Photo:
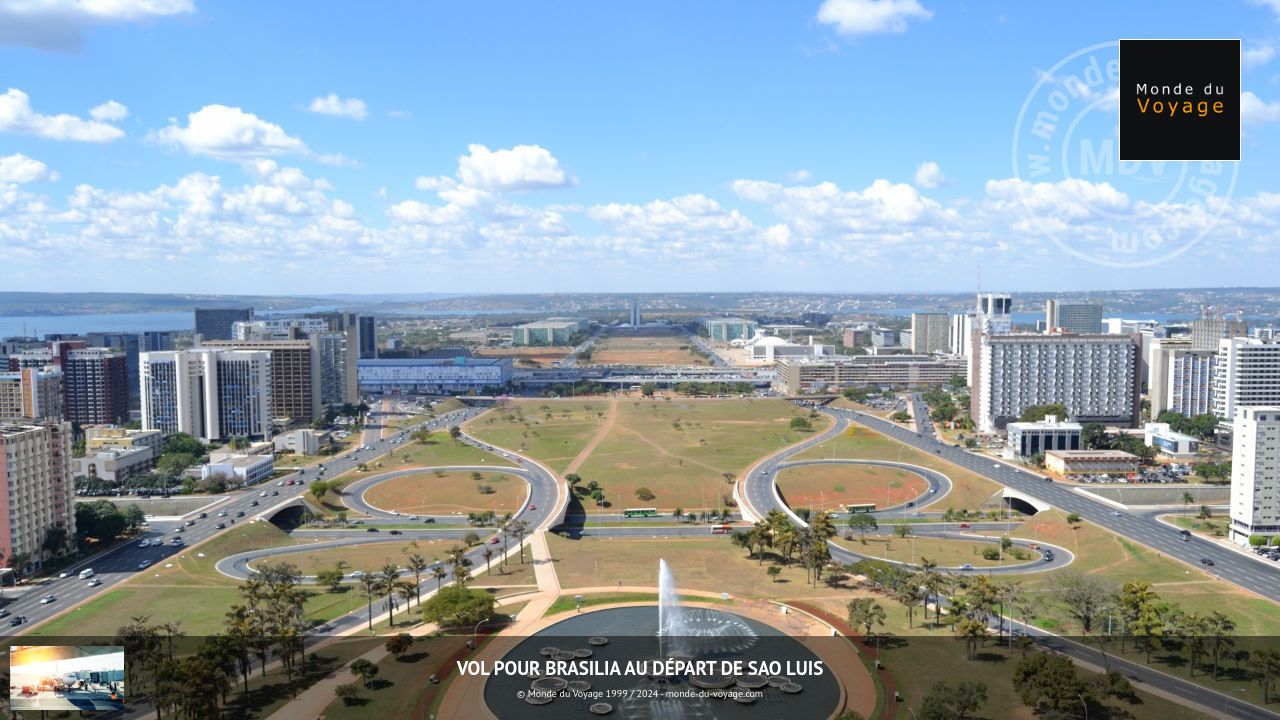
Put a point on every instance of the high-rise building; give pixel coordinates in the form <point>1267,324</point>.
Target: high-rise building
<point>37,495</point>
<point>884,337</point>
<point>31,394</point>
<point>1247,375</point>
<point>280,328</point>
<point>128,343</point>
<point>635,312</point>
<point>157,341</point>
<point>960,334</point>
<point>330,351</point>
<point>992,315</point>
<point>1206,332</point>
<point>1180,379</point>
<point>348,324</point>
<point>213,394</point>
<point>930,333</point>
<point>215,323</point>
<point>368,337</point>
<point>1094,376</point>
<point>95,385</point>
<point>1255,473</point>
<point>1083,318</point>
<point>558,331</point>
<point>295,377</point>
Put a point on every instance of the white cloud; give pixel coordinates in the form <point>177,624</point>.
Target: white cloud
<point>1066,201</point>
<point>333,105</point>
<point>230,133</point>
<point>109,111</point>
<point>523,167</point>
<point>1256,56</point>
<point>1256,111</point>
<point>1274,5</point>
<point>60,24</point>
<point>17,116</point>
<point>420,213</point>
<point>798,176</point>
<point>929,175</point>
<point>868,17</point>
<point>20,169</point>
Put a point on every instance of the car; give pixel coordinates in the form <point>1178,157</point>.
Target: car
<point>144,564</point>
<point>220,526</point>
<point>280,483</point>
<point>64,574</point>
<point>16,620</point>
<point>302,471</point>
<point>396,532</point>
<point>964,526</point>
<point>253,503</point>
<point>95,582</point>
<point>911,503</point>
<point>179,529</point>
<point>1116,513</point>
<point>966,566</point>
<point>239,513</point>
<point>48,599</point>
<point>144,543</point>
<point>176,542</point>
<point>275,493</point>
<point>995,465</point>
<point>262,494</point>
<point>189,523</point>
<point>495,540</point>
<point>428,520</point>
<point>1048,557</point>
<point>372,529</point>
<point>4,613</point>
<point>1185,538</point>
<point>357,574</point>
<point>532,506</point>
<point>203,515</point>
<point>1206,562</point>
<point>222,513</point>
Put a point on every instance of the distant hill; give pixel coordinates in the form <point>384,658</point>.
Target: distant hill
<point>24,304</point>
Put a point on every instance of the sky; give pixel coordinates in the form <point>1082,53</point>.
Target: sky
<point>811,145</point>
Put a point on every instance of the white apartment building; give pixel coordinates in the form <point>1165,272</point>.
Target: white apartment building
<point>1094,376</point>
<point>960,334</point>
<point>1180,379</point>
<point>930,333</point>
<point>1247,375</point>
<point>212,394</point>
<point>1255,473</point>
<point>37,497</point>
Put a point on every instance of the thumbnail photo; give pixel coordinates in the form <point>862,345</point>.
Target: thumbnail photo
<point>66,677</point>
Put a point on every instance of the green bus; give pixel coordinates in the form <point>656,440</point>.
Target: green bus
<point>861,508</point>
<point>640,512</point>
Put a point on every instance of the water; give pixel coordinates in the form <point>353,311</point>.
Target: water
<point>673,626</point>
<point>38,326</point>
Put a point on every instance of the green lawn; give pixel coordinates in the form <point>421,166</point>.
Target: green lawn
<point>567,603</point>
<point>970,489</point>
<point>551,431</point>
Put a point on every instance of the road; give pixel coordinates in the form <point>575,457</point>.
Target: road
<point>702,345</point>
<point>121,563</point>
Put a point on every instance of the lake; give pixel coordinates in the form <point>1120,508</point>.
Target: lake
<point>39,326</point>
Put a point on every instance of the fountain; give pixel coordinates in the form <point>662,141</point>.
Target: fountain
<point>673,625</point>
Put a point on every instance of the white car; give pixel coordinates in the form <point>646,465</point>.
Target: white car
<point>144,543</point>
<point>47,599</point>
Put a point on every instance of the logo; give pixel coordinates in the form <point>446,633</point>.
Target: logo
<point>1078,193</point>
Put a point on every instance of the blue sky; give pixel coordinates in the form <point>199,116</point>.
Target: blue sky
<point>853,145</point>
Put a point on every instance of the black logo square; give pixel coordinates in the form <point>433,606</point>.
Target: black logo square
<point>1179,100</point>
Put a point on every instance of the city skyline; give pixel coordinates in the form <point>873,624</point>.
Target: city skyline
<point>734,147</point>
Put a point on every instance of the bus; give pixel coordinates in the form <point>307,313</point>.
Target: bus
<point>721,529</point>
<point>861,508</point>
<point>640,512</point>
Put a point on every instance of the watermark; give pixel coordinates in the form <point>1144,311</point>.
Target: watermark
<point>1076,191</point>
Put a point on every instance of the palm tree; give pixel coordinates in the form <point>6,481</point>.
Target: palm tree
<point>823,523</point>
<point>972,631</point>
<point>387,578</point>
<point>407,592</point>
<point>417,564</point>
<point>439,573</point>
<point>370,583</point>
<point>488,555</point>
<point>909,594</point>
<point>519,528</point>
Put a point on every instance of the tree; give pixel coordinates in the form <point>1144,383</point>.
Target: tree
<point>370,583</point>
<point>1266,663</point>
<point>1073,518</point>
<point>347,693</point>
<point>862,523</point>
<point>645,494</point>
<point>1082,597</point>
<point>364,670</point>
<point>455,433</point>
<point>823,524</point>
<point>1036,413</point>
<point>182,443</point>
<point>1093,435</point>
<point>946,701</point>
<point>1220,637</point>
<point>331,579</point>
<point>773,571</point>
<point>518,529</point>
<point>417,564</point>
<point>1051,686</point>
<point>901,416</point>
<point>387,578</point>
<point>458,607</point>
<point>573,479</point>
<point>865,612</point>
<point>320,488</point>
<point>1139,607</point>
<point>399,644</point>
<point>439,573</point>
<point>801,424</point>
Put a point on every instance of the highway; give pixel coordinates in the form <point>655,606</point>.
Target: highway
<point>121,563</point>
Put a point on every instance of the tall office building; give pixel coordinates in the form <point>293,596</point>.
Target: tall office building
<point>930,333</point>
<point>992,315</point>
<point>128,343</point>
<point>1180,379</point>
<point>635,312</point>
<point>1255,473</point>
<point>1083,318</point>
<point>31,394</point>
<point>1247,375</point>
<point>960,334</point>
<point>215,323</point>
<point>348,324</point>
<point>330,351</point>
<point>156,341</point>
<point>277,328</point>
<point>37,495</point>
<point>96,386</point>
<point>1207,332</point>
<point>1094,376</point>
<point>295,377</point>
<point>213,394</point>
<point>368,337</point>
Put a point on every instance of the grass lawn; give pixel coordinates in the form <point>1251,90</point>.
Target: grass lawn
<point>272,692</point>
<point>969,490</point>
<point>167,507</point>
<point>709,563</point>
<point>400,682</point>
<point>681,450</point>
<point>567,603</point>
<point>947,553</point>
<point>552,431</point>
<point>448,492</point>
<point>645,350</point>
<point>833,486</point>
<point>1213,527</point>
